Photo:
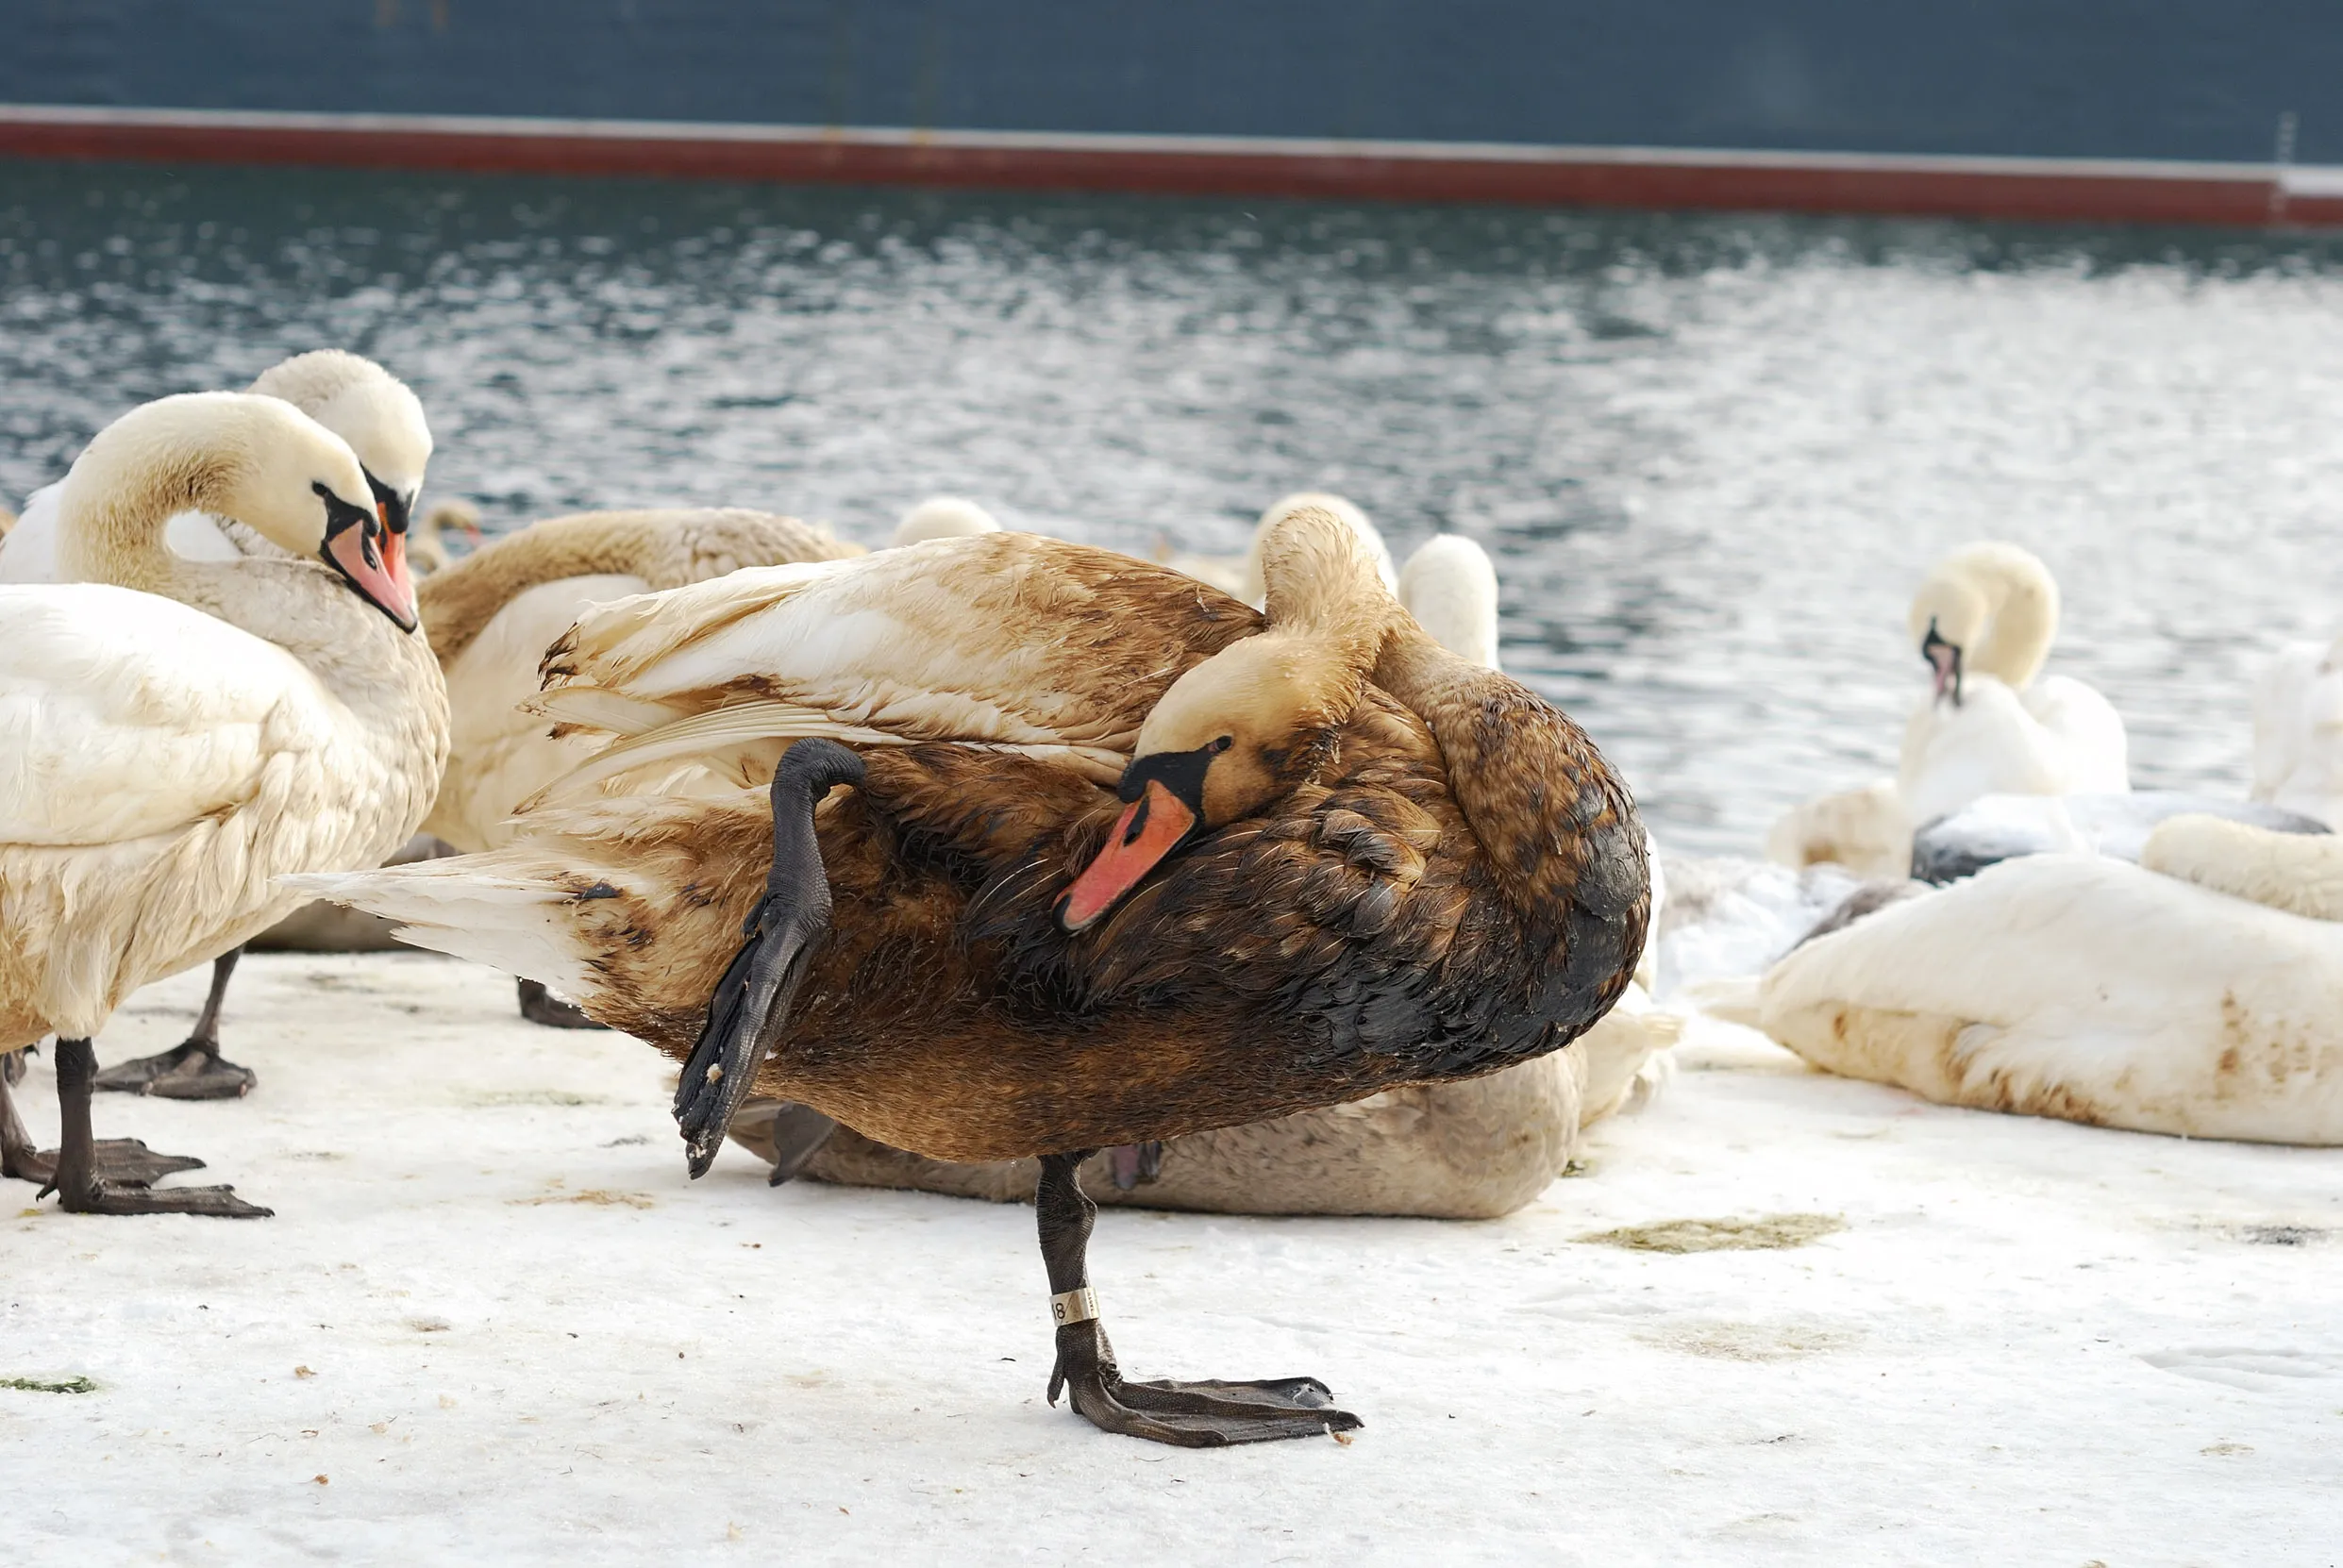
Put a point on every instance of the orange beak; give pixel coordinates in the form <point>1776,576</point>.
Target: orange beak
<point>1149,829</point>
<point>374,560</point>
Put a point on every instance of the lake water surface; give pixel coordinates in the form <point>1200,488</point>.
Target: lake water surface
<point>1711,454</point>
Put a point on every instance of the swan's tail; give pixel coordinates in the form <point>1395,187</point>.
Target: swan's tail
<point>508,908</point>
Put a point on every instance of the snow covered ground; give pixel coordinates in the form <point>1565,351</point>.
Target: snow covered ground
<point>493,1321</point>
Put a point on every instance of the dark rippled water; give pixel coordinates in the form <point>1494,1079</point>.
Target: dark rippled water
<point>1711,454</point>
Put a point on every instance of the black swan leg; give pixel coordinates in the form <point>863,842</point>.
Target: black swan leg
<point>194,1069</point>
<point>1205,1414</point>
<point>118,1160</point>
<point>82,1188</point>
<point>541,1005</point>
<point>751,1004</point>
<point>19,1159</point>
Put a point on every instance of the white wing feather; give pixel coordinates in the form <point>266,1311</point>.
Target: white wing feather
<point>124,714</point>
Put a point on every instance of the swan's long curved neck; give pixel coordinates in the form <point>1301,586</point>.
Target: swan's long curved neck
<point>114,534</point>
<point>118,537</point>
<point>2025,621</point>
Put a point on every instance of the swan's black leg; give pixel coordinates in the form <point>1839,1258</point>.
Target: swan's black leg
<point>194,1069</point>
<point>19,1159</point>
<point>751,1004</point>
<point>1206,1414</point>
<point>541,1005</point>
<point>83,1188</point>
<point>118,1160</point>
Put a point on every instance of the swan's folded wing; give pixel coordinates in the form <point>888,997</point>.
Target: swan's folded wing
<point>1009,639</point>
<point>124,714</point>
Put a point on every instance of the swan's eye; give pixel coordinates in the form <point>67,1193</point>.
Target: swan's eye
<point>1224,743</point>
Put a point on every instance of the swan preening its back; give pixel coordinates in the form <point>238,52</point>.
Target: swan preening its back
<point>1118,861</point>
<point>175,734</point>
<point>1983,620</point>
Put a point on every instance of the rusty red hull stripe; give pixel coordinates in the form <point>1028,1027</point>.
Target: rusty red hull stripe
<point>2055,189</point>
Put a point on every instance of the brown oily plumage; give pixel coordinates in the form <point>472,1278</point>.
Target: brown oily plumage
<point>1446,886</point>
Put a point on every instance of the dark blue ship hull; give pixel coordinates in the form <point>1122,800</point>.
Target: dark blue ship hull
<point>2220,107</point>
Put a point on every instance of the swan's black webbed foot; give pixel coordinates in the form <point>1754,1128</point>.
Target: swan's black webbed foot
<point>194,1069</point>
<point>123,1162</point>
<point>541,1005</point>
<point>86,1183</point>
<point>1206,1414</point>
<point>751,1003</point>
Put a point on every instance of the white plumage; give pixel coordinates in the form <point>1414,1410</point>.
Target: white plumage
<point>2098,991</point>
<point>173,738</point>
<point>356,399</point>
<point>2297,732</point>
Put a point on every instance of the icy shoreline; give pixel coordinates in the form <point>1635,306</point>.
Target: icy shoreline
<point>529,1339</point>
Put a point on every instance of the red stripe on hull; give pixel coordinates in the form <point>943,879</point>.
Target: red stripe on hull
<point>2056,192</point>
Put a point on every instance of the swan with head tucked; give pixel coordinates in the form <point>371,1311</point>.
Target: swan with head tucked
<point>175,734</point>
<point>2297,732</point>
<point>382,422</point>
<point>1118,859</point>
<point>492,616</point>
<point>1470,1150</point>
<point>2197,993</point>
<point>1241,575</point>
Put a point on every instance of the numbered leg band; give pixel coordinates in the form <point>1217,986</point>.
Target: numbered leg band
<point>1077,1306</point>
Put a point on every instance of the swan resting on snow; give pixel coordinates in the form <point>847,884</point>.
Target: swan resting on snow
<point>176,735</point>
<point>1470,1150</point>
<point>2199,993</point>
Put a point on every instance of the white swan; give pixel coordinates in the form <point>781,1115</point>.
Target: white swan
<point>944,517</point>
<point>492,616</point>
<point>1241,575</point>
<point>1985,620</point>
<point>2297,732</point>
<point>1449,585</point>
<point>2199,992</point>
<point>380,420</point>
<point>366,406</point>
<point>175,735</point>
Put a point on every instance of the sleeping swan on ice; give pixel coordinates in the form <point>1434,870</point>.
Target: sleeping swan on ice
<point>2199,993</point>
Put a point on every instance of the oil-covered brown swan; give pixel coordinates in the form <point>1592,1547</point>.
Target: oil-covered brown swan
<point>1120,860</point>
